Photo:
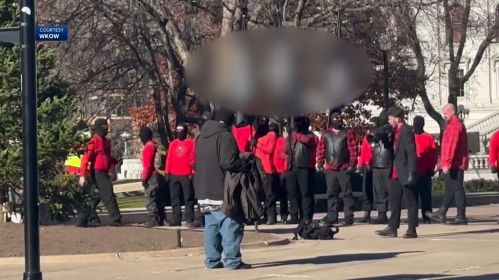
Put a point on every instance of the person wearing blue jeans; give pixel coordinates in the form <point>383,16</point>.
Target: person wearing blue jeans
<point>222,234</point>
<point>216,154</point>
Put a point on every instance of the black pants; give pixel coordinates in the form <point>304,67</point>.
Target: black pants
<point>154,203</point>
<point>281,194</point>
<point>424,191</point>
<point>101,182</point>
<point>454,190</point>
<point>410,194</point>
<point>381,179</point>
<point>270,196</point>
<point>300,193</point>
<point>367,190</point>
<point>339,181</point>
<point>182,185</point>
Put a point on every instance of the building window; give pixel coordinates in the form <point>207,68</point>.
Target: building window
<point>460,76</point>
<point>456,19</point>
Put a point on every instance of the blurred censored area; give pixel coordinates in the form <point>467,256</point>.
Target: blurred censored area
<point>279,71</point>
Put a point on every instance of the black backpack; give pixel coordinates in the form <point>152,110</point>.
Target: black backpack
<point>315,231</point>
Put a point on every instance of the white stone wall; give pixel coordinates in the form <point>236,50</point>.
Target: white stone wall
<point>131,169</point>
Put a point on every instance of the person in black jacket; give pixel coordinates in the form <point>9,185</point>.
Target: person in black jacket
<point>403,176</point>
<point>217,153</point>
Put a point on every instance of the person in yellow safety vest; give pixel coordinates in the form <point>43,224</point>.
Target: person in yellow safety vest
<point>73,161</point>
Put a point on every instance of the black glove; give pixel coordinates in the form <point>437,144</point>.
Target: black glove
<point>494,169</point>
<point>351,170</point>
<point>145,184</point>
<point>412,179</point>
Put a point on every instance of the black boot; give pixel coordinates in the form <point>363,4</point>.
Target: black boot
<point>387,232</point>
<point>176,220</point>
<point>366,219</point>
<point>439,216</point>
<point>284,218</point>
<point>271,220</point>
<point>153,222</point>
<point>382,219</point>
<point>411,233</point>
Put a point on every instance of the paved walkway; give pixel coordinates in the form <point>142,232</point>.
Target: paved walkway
<point>441,252</point>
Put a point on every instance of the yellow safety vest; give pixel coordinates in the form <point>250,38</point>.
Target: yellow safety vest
<point>73,160</point>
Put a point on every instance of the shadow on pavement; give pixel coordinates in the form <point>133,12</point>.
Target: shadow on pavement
<point>495,230</point>
<point>494,276</point>
<point>336,259</point>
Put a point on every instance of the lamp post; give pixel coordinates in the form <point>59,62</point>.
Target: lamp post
<point>125,135</point>
<point>385,45</point>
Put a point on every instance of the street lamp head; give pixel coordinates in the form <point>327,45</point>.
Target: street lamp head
<point>125,135</point>
<point>384,42</point>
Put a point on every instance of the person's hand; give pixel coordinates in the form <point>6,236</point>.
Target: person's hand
<point>320,168</point>
<point>167,177</point>
<point>494,169</point>
<point>82,181</point>
<point>253,142</point>
<point>368,167</point>
<point>145,184</point>
<point>113,177</point>
<point>351,170</point>
<point>445,170</point>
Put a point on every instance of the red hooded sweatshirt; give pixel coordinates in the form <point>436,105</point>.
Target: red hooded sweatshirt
<point>279,156</point>
<point>366,154</point>
<point>243,136</point>
<point>494,150</point>
<point>180,159</point>
<point>264,151</point>
<point>98,156</point>
<point>148,156</point>
<point>426,151</point>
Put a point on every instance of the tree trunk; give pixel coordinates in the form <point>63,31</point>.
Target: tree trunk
<point>454,87</point>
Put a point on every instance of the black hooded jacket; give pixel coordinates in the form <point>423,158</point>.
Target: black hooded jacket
<point>216,153</point>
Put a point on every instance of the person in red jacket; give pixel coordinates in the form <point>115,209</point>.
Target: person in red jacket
<point>427,158</point>
<point>494,153</point>
<point>179,170</point>
<point>364,166</point>
<point>337,155</point>
<point>96,166</point>
<point>150,180</point>
<point>453,163</point>
<point>279,159</point>
<point>243,133</point>
<point>265,146</point>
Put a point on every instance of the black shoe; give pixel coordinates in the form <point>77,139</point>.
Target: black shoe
<point>387,232</point>
<point>438,216</point>
<point>382,219</point>
<point>410,234</point>
<point>330,222</point>
<point>459,221</point>
<point>81,224</point>
<point>174,224</point>
<point>292,221</point>
<point>366,219</point>
<point>427,222</point>
<point>152,223</point>
<point>242,266</point>
<point>116,224</point>
<point>271,221</point>
<point>347,223</point>
<point>284,218</point>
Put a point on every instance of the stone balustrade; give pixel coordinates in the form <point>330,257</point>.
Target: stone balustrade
<point>479,162</point>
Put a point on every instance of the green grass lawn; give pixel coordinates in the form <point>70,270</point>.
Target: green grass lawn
<point>131,202</point>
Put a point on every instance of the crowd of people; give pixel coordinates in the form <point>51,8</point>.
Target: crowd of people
<point>397,162</point>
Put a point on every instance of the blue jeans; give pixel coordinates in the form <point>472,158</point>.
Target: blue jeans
<point>222,233</point>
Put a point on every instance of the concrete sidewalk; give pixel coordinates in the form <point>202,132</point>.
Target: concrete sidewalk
<point>441,252</point>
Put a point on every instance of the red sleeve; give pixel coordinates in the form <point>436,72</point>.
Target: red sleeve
<point>148,155</point>
<point>267,143</point>
<point>352,147</point>
<point>192,155</point>
<point>449,146</point>
<point>433,152</point>
<point>87,158</point>
<point>307,139</point>
<point>494,149</point>
<point>169,158</point>
<point>321,151</point>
